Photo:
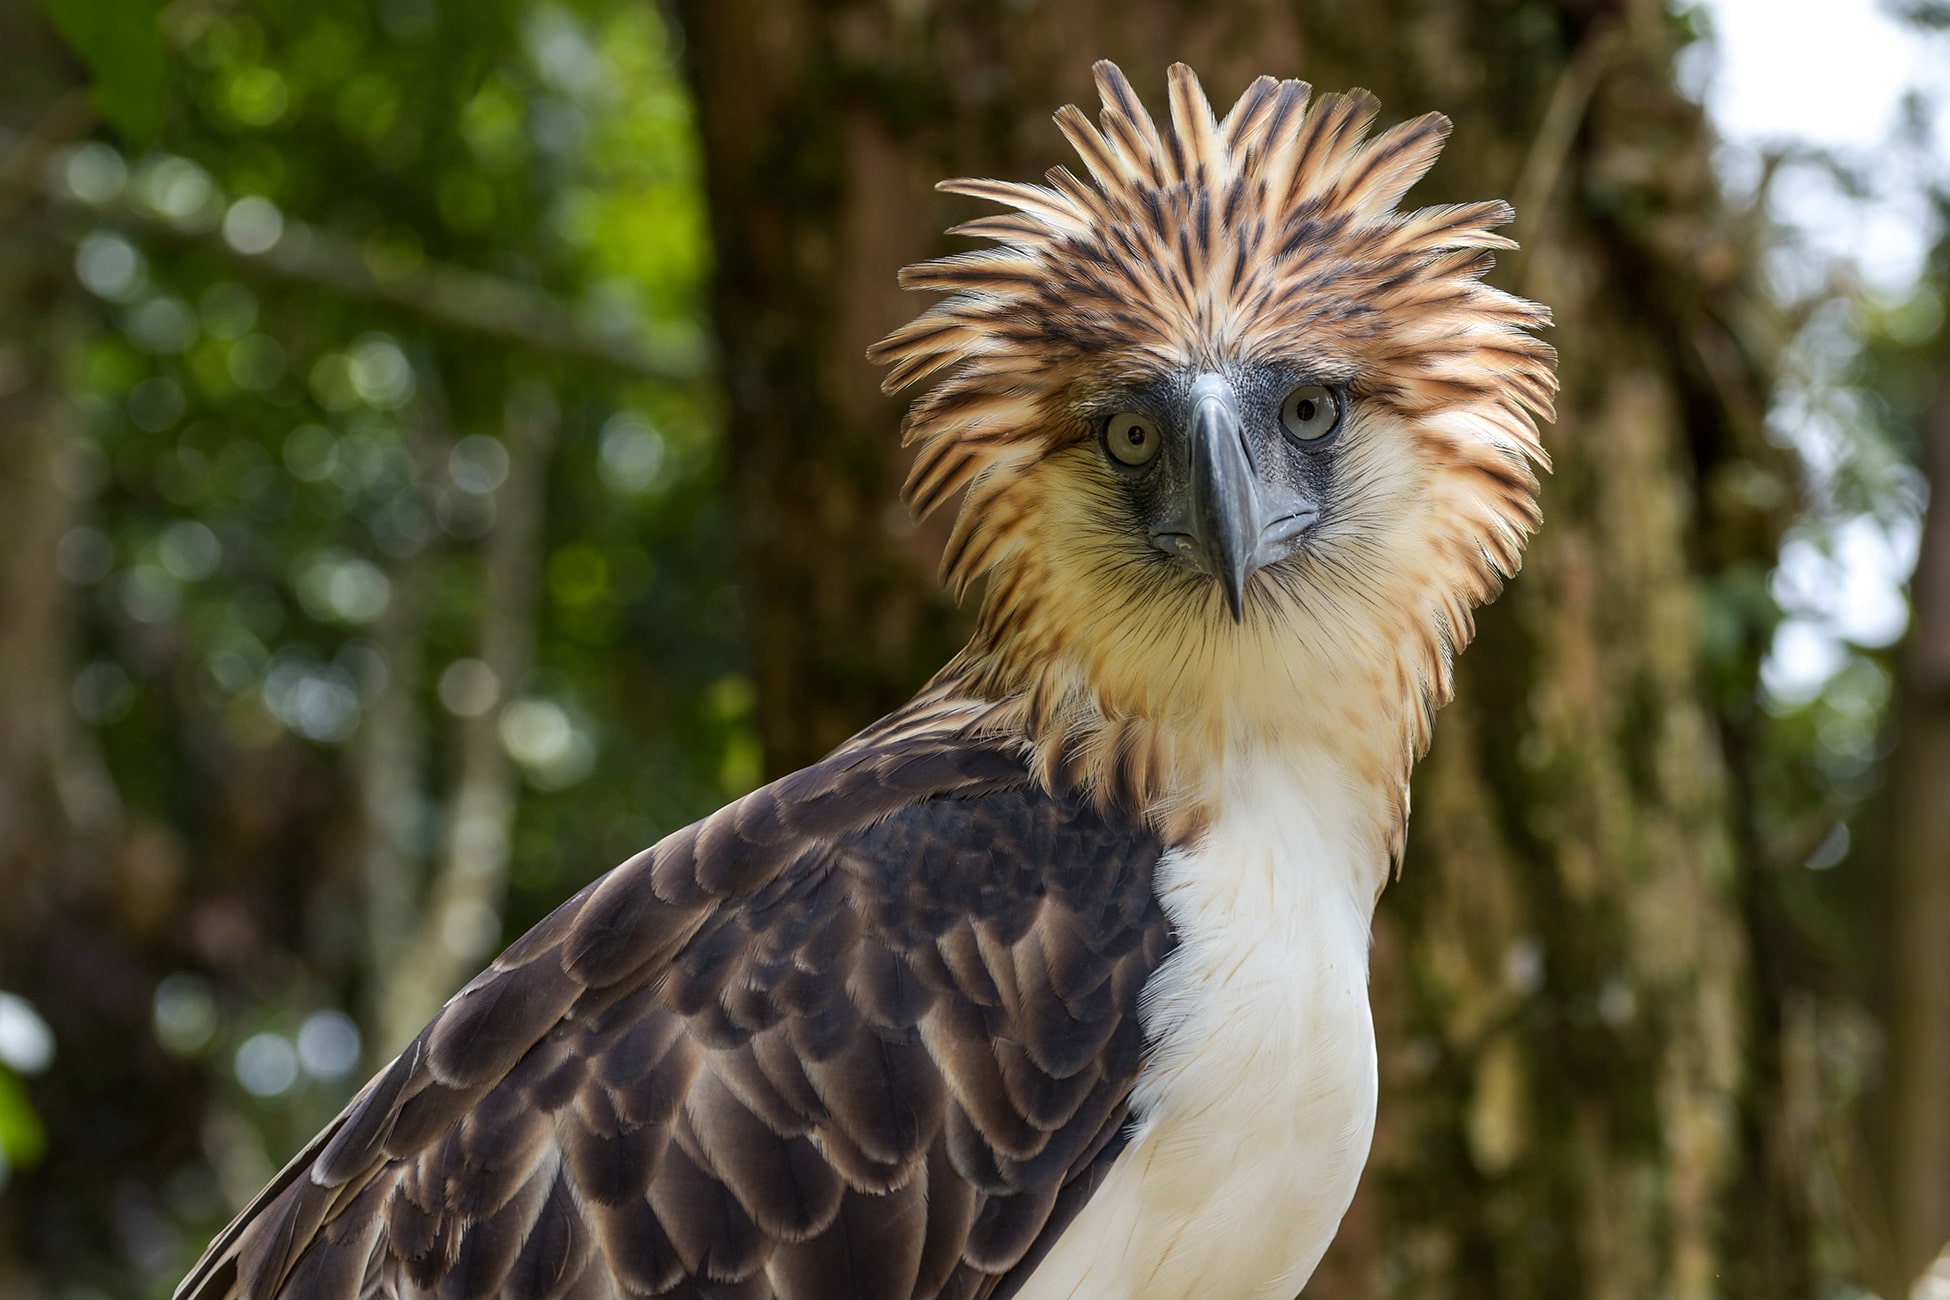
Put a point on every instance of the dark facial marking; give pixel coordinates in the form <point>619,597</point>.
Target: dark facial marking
<point>1294,479</point>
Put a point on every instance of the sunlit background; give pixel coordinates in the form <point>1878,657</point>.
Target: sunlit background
<point>398,569</point>
<point>1850,106</point>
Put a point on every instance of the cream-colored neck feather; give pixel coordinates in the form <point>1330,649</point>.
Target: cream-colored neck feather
<point>1128,676</point>
<point>1164,749</point>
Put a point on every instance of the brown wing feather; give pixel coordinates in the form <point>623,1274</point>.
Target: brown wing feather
<point>870,1031</point>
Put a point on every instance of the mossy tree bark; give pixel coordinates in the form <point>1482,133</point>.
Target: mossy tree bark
<point>1909,1120</point>
<point>53,797</point>
<point>1577,1095</point>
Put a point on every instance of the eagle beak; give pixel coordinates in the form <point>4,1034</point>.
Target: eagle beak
<point>1225,491</point>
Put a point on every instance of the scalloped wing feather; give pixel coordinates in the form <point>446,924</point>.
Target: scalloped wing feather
<point>868,1032</point>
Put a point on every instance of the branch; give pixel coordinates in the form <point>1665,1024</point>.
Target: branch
<point>457,297</point>
<point>467,300</point>
<point>1550,148</point>
<point>461,926</point>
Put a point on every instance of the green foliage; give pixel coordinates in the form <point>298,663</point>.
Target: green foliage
<point>287,487</point>
<point>23,1140</point>
<point>1822,761</point>
<point>122,46</point>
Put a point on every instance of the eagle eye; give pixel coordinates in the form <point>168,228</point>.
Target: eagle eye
<point>1310,412</point>
<point>1131,438</point>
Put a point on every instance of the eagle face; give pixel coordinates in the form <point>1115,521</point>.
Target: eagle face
<point>1224,472</point>
<point>1221,528</point>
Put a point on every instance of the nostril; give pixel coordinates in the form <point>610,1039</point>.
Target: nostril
<point>1289,526</point>
<point>1173,543</point>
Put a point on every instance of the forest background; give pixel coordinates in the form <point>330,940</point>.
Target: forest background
<point>437,459</point>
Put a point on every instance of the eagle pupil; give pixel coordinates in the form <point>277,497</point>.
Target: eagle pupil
<point>1128,439</point>
<point>1307,411</point>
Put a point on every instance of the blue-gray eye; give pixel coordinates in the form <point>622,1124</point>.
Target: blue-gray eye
<point>1310,412</point>
<point>1132,438</point>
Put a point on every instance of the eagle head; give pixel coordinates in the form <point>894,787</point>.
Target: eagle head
<point>1232,429</point>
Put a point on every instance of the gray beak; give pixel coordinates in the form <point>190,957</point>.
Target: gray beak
<point>1225,491</point>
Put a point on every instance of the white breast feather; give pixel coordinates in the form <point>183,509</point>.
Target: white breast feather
<point>1255,1110</point>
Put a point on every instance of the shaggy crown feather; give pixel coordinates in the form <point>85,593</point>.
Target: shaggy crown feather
<point>1271,230</point>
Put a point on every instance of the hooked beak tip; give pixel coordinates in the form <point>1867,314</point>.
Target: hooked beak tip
<point>1236,597</point>
<point>1225,503</point>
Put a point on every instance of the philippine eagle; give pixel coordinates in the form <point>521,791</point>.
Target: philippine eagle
<point>1053,982</point>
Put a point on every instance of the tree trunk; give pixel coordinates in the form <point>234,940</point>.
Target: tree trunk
<point>54,799</point>
<point>1912,1132</point>
<point>1562,977</point>
<point>76,889</point>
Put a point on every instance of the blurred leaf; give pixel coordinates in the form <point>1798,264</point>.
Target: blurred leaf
<point>122,46</point>
<point>1930,15</point>
<point>22,1139</point>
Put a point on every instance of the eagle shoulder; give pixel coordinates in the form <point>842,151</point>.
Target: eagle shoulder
<point>870,1031</point>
